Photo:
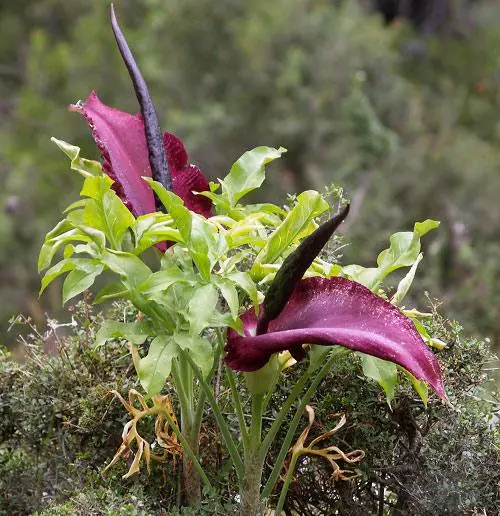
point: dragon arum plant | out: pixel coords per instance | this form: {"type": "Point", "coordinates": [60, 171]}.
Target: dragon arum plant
{"type": "Point", "coordinates": [233, 281]}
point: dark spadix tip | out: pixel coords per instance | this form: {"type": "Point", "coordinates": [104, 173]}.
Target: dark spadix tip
{"type": "Point", "coordinates": [294, 267]}
{"type": "Point", "coordinates": [157, 157]}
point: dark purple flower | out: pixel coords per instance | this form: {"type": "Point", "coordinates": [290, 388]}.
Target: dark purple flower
{"type": "Point", "coordinates": [133, 146]}
{"type": "Point", "coordinates": [329, 311]}
{"type": "Point", "coordinates": [121, 140]}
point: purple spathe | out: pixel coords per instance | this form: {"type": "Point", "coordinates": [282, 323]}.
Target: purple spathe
{"type": "Point", "coordinates": [330, 311]}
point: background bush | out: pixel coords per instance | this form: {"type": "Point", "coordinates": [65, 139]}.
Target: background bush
{"type": "Point", "coordinates": [404, 117]}
{"type": "Point", "coordinates": [59, 427]}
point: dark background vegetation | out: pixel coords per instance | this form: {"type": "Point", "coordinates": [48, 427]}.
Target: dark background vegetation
{"type": "Point", "coordinates": [400, 105]}
{"type": "Point", "coordinates": [397, 100]}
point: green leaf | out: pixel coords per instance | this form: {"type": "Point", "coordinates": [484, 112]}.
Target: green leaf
{"type": "Point", "coordinates": [135, 332]}
{"type": "Point", "coordinates": [81, 203]}
{"type": "Point", "coordinates": [155, 367]}
{"type": "Point", "coordinates": [118, 217]}
{"type": "Point", "coordinates": [86, 265]}
{"type": "Point", "coordinates": [175, 206]}
{"type": "Point", "coordinates": [47, 253]}
{"type": "Point", "coordinates": [152, 228]}
{"type": "Point", "coordinates": [424, 227]}
{"type": "Point", "coordinates": [264, 272]}
{"type": "Point", "coordinates": [367, 276]}
{"type": "Point", "coordinates": [204, 245]}
{"type": "Point", "coordinates": [150, 238]}
{"type": "Point", "coordinates": [247, 231]}
{"type": "Point", "coordinates": [111, 291]}
{"type": "Point", "coordinates": [404, 251]}
{"type": "Point", "coordinates": [405, 283]}
{"type": "Point", "coordinates": [421, 387]}
{"type": "Point", "coordinates": [85, 167]}
{"type": "Point", "coordinates": [229, 293]}
{"type": "Point", "coordinates": [132, 270]}
{"type": "Point", "coordinates": [383, 372]}
{"type": "Point", "coordinates": [69, 250]}
{"type": "Point", "coordinates": [162, 280]}
{"type": "Point", "coordinates": [404, 248]}
{"type": "Point", "coordinates": [228, 265]}
{"type": "Point", "coordinates": [177, 256]}
{"type": "Point", "coordinates": [107, 213]}
{"type": "Point", "coordinates": [96, 235]}
{"type": "Point", "coordinates": [61, 227]}
{"type": "Point", "coordinates": [95, 187]}
{"type": "Point", "coordinates": [325, 269]}
{"type": "Point", "coordinates": [297, 224]}
{"type": "Point", "coordinates": [201, 308]}
{"type": "Point", "coordinates": [421, 329]}
{"type": "Point", "coordinates": [200, 350]}
{"type": "Point", "coordinates": [77, 281]}
{"type": "Point", "coordinates": [220, 201]}
{"type": "Point", "coordinates": [245, 282]}
{"type": "Point", "coordinates": [200, 237]}
{"type": "Point", "coordinates": [52, 245]}
{"type": "Point", "coordinates": [174, 304]}
{"type": "Point", "coordinates": [55, 271]}
{"type": "Point", "coordinates": [248, 172]}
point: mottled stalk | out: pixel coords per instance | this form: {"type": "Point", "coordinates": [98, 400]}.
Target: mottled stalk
{"type": "Point", "coordinates": [154, 138]}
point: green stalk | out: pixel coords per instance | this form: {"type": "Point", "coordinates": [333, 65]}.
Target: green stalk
{"type": "Point", "coordinates": [238, 407]}
{"type": "Point", "coordinates": [256, 425]}
{"type": "Point", "coordinates": [221, 422]}
{"type": "Point", "coordinates": [235, 395]}
{"type": "Point", "coordinates": [271, 482]}
{"type": "Point", "coordinates": [270, 393]}
{"type": "Point", "coordinates": [286, 484]}
{"type": "Point", "coordinates": [271, 434]}
{"type": "Point", "coordinates": [186, 376]}
{"type": "Point", "coordinates": [198, 415]}
{"type": "Point", "coordinates": [181, 393]}
{"type": "Point", "coordinates": [251, 504]}
{"type": "Point", "coordinates": [191, 489]}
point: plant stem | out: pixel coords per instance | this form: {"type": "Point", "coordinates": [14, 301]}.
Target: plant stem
{"type": "Point", "coordinates": [198, 415]}
{"type": "Point", "coordinates": [297, 389]}
{"type": "Point", "coordinates": [191, 486]}
{"type": "Point", "coordinates": [256, 425]}
{"type": "Point", "coordinates": [181, 393]}
{"type": "Point", "coordinates": [271, 482]}
{"type": "Point", "coordinates": [235, 395]}
{"type": "Point", "coordinates": [286, 484]}
{"type": "Point", "coordinates": [238, 407]}
{"type": "Point", "coordinates": [250, 488]}
{"type": "Point", "coordinates": [202, 397]}
{"type": "Point", "coordinates": [251, 504]}
{"type": "Point", "coordinates": [221, 422]}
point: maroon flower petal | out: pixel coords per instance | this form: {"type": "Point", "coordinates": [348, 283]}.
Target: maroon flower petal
{"type": "Point", "coordinates": [336, 311]}
{"type": "Point", "coordinates": [121, 140]}
{"type": "Point", "coordinates": [122, 143]}
{"type": "Point", "coordinates": [186, 178]}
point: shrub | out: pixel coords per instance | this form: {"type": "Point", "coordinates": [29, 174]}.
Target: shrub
{"type": "Point", "coordinates": [58, 429]}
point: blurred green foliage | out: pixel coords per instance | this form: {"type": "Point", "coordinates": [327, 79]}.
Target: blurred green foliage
{"type": "Point", "coordinates": [408, 124]}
